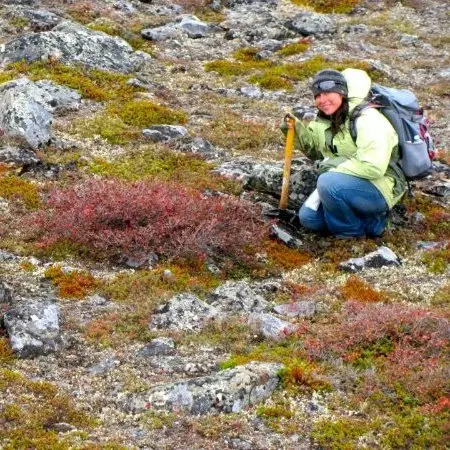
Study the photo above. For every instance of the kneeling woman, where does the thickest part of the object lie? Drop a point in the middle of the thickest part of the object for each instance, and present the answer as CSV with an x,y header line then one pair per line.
x,y
358,182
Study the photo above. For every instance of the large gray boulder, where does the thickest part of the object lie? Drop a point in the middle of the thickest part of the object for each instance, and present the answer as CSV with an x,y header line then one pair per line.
x,y
71,43
184,312
267,177
229,391
33,328
236,297
28,107
309,23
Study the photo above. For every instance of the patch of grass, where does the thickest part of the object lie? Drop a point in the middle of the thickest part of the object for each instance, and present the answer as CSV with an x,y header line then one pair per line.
x,y
17,189
95,84
274,412
232,131
357,289
217,426
165,165
74,284
235,68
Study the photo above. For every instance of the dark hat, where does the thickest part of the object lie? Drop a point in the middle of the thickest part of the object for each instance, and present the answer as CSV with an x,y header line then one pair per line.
x,y
329,80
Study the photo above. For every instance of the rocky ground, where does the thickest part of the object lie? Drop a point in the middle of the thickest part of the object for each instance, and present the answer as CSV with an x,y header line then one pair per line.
x,y
219,328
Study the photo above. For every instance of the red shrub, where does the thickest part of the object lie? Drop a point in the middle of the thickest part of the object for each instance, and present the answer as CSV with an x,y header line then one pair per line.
x,y
114,218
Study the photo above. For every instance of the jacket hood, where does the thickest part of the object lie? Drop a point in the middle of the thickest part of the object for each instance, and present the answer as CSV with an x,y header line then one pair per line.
x,y
358,83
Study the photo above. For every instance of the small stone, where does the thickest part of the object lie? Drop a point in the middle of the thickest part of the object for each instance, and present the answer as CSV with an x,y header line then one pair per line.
x,y
379,258
159,347
102,367
270,326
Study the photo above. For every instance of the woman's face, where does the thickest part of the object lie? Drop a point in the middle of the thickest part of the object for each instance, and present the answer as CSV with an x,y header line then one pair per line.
x,y
328,102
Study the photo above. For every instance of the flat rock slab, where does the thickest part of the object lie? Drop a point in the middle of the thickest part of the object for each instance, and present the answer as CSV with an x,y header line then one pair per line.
x,y
379,258
229,391
33,328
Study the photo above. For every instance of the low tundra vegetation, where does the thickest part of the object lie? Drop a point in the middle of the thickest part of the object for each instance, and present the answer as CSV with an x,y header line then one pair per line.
x,y
113,219
329,6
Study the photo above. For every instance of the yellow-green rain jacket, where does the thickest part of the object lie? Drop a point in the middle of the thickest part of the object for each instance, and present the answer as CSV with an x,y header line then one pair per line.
x,y
375,152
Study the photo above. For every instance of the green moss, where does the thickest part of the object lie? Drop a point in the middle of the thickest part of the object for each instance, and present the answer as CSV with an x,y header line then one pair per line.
x,y
274,412
165,165
17,189
329,6
246,54
144,113
294,48
95,84
364,358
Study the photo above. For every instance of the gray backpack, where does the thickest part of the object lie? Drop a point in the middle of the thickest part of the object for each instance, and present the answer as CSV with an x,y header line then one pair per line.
x,y
403,111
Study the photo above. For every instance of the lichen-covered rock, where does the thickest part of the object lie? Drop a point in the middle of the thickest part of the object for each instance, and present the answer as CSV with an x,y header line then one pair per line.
x,y
196,145
33,328
162,346
160,133
18,156
71,43
286,236
28,107
311,23
229,391
190,25
184,312
380,258
267,177
237,297
270,326
38,19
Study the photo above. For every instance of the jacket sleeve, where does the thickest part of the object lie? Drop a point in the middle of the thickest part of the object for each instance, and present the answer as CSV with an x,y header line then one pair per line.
x,y
375,141
306,138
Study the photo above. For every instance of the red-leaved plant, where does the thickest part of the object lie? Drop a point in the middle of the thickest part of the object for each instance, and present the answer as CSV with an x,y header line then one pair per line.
x,y
113,219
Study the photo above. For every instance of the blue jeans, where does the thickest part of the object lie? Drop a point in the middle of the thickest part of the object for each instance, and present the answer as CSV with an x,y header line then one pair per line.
x,y
350,207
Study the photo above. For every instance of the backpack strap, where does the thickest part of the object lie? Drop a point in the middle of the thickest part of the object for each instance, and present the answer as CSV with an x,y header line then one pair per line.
x,y
357,111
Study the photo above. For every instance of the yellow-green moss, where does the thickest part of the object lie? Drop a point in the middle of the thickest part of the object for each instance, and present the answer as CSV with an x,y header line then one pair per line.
x,y
6,353
165,165
17,189
329,6
144,113
246,54
95,84
109,127
294,48
19,22
271,82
